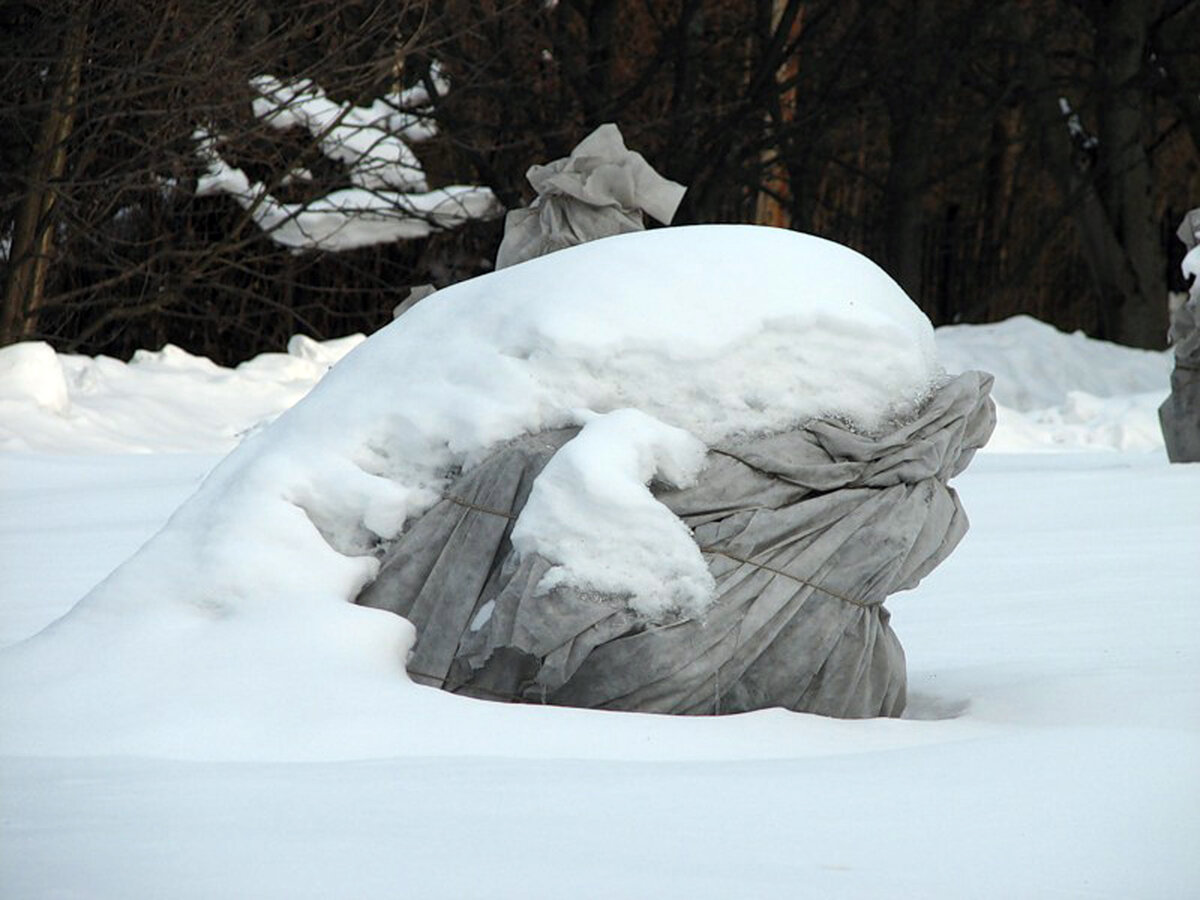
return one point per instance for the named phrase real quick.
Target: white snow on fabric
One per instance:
(592, 497)
(715, 330)
(1191, 269)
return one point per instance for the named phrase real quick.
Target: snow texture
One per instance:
(593, 496)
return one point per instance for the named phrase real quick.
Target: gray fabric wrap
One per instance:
(1179, 414)
(601, 189)
(806, 533)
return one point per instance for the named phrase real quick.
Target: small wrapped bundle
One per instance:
(601, 189)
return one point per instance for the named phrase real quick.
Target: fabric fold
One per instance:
(806, 533)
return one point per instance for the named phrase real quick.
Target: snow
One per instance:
(1191, 269)
(239, 750)
(1062, 391)
(346, 218)
(1036, 366)
(591, 512)
(165, 401)
(375, 157)
(31, 372)
(256, 571)
(389, 198)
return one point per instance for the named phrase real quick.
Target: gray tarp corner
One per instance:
(805, 532)
(601, 189)
(1179, 414)
(416, 294)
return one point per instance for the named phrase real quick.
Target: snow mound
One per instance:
(161, 401)
(30, 373)
(714, 331)
(1059, 391)
(1037, 366)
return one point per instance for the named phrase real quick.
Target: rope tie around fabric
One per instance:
(483, 509)
(796, 578)
(711, 551)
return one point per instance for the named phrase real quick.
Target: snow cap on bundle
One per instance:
(702, 335)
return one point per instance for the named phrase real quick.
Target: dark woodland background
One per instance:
(995, 156)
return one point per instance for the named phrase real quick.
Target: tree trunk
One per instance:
(911, 111)
(1106, 184)
(903, 201)
(33, 231)
(1140, 319)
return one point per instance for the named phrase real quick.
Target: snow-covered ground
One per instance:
(1051, 748)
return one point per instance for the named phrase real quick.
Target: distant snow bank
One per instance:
(161, 401)
(1059, 391)
(1038, 367)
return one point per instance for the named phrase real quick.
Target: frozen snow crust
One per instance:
(706, 332)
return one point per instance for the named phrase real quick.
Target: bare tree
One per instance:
(112, 244)
(995, 157)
